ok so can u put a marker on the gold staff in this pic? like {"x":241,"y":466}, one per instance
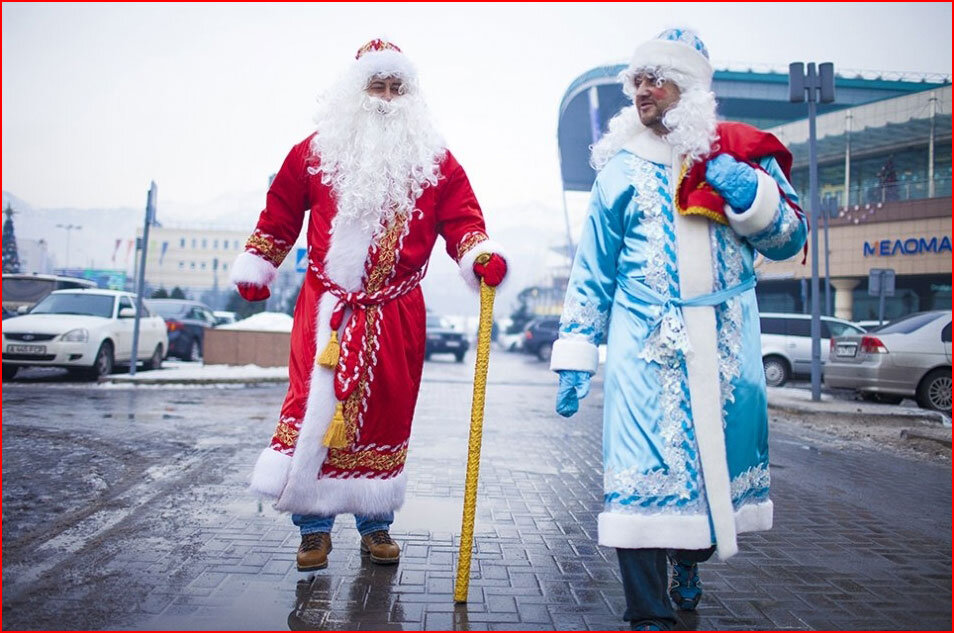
{"x":476,"y":432}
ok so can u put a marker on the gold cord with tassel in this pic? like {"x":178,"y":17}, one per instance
{"x":336,"y":436}
{"x":329,"y":356}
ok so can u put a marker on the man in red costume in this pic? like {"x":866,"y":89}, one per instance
{"x":380,"y":187}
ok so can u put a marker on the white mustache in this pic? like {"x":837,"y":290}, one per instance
{"x":380,"y":106}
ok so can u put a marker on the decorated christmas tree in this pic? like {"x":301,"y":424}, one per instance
{"x":11,"y":259}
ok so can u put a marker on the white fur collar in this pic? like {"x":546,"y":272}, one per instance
{"x":650,"y":146}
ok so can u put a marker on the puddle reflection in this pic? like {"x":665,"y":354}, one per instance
{"x":364,"y":600}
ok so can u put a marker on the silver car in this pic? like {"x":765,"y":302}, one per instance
{"x":910,"y":357}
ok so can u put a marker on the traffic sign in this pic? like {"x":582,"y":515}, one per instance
{"x":301,"y":260}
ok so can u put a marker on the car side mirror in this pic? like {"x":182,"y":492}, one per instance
{"x":23,"y":309}
{"x":127,"y":313}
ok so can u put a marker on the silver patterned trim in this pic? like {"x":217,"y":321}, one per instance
{"x":583,"y":319}
{"x":754,"y":479}
{"x":780,"y":232}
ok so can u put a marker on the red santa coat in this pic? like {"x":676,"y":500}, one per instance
{"x":382,"y":367}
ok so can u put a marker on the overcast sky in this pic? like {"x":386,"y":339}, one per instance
{"x":207,"y":99}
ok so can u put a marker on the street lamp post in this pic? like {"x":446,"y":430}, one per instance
{"x":829,"y":209}
{"x":814,"y":87}
{"x":68,"y":228}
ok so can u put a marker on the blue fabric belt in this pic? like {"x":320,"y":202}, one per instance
{"x":667,"y":333}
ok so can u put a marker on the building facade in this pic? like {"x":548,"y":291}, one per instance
{"x":884,"y":172}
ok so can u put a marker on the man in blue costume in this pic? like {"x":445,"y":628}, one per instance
{"x":680,"y":206}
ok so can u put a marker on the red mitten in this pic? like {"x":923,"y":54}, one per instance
{"x":492,"y":271}
{"x":252,"y":292}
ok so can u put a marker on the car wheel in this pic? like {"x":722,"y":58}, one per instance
{"x":881,"y":398}
{"x":103,"y":365}
{"x":9,"y":372}
{"x":155,"y":361}
{"x":545,"y":351}
{"x":776,"y":371}
{"x":459,"y":356}
{"x":195,"y":352}
{"x":934,"y":392}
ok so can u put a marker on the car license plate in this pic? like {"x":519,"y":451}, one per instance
{"x":846,"y":349}
{"x":453,"y":343}
{"x":26,"y":349}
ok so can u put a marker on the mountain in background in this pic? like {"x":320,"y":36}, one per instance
{"x":528,"y":233}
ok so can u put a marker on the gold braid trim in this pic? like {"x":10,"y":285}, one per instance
{"x":266,"y":246}
{"x":471,"y":240}
{"x":703,"y":211}
{"x":371,"y":460}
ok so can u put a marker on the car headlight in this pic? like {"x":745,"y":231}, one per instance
{"x":78,"y":335}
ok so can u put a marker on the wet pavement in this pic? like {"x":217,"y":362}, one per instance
{"x":124,"y":507}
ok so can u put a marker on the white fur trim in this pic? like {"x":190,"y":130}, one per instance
{"x":694,"y":258}
{"x":466,"y":263}
{"x":574,"y":354}
{"x":328,"y":496}
{"x":637,"y":531}
{"x":344,"y":263}
{"x":270,"y":473}
{"x":385,"y":63}
{"x":674,"y":531}
{"x":675,"y":55}
{"x":761,"y":214}
{"x":650,"y":146}
{"x":249,"y":268}
{"x":754,"y":517}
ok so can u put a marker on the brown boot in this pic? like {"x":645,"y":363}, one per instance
{"x":313,"y":551}
{"x":382,"y":548}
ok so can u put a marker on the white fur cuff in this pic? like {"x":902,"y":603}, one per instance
{"x":467,"y":261}
{"x":249,"y":268}
{"x":761,"y":214}
{"x":574,"y":354}
{"x":270,"y":473}
{"x":357,"y":495}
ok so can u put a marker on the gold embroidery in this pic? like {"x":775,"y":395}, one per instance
{"x":388,"y":249}
{"x":370,"y":460}
{"x":470,"y":240}
{"x":285,"y":434}
{"x":269,"y":249}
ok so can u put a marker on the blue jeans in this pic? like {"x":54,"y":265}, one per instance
{"x":311,"y":523}
{"x":645,"y":575}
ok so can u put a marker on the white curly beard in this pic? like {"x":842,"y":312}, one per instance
{"x":377,"y":156}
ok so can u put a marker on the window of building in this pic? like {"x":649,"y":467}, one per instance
{"x":235,"y":243}
{"x":205,"y":243}
{"x":225,"y":266}
{"x":181,"y":242}
{"x":192,"y":265}
{"x":215,"y":244}
{"x":203,"y":265}
{"x":181,"y":265}
{"x":193,"y":242}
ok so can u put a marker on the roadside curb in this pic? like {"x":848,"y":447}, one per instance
{"x":900,"y":416}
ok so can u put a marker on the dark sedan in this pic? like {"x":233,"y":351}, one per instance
{"x":442,"y":338}
{"x":540,"y":335}
{"x":186,"y":322}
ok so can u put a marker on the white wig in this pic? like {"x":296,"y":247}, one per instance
{"x":691,"y":122}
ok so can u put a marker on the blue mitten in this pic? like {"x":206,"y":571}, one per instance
{"x":736,"y":182}
{"x":574,"y":385}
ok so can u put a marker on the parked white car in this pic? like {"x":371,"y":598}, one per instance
{"x":787,"y":343}
{"x":87,"y":331}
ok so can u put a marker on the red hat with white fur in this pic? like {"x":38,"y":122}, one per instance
{"x":381,"y":58}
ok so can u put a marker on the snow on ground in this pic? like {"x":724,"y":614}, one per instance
{"x":173,"y":371}
{"x":262,"y":322}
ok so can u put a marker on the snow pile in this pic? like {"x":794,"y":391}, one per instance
{"x":262,"y":322}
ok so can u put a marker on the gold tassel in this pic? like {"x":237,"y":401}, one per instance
{"x":336,"y":436}
{"x":329,"y":356}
